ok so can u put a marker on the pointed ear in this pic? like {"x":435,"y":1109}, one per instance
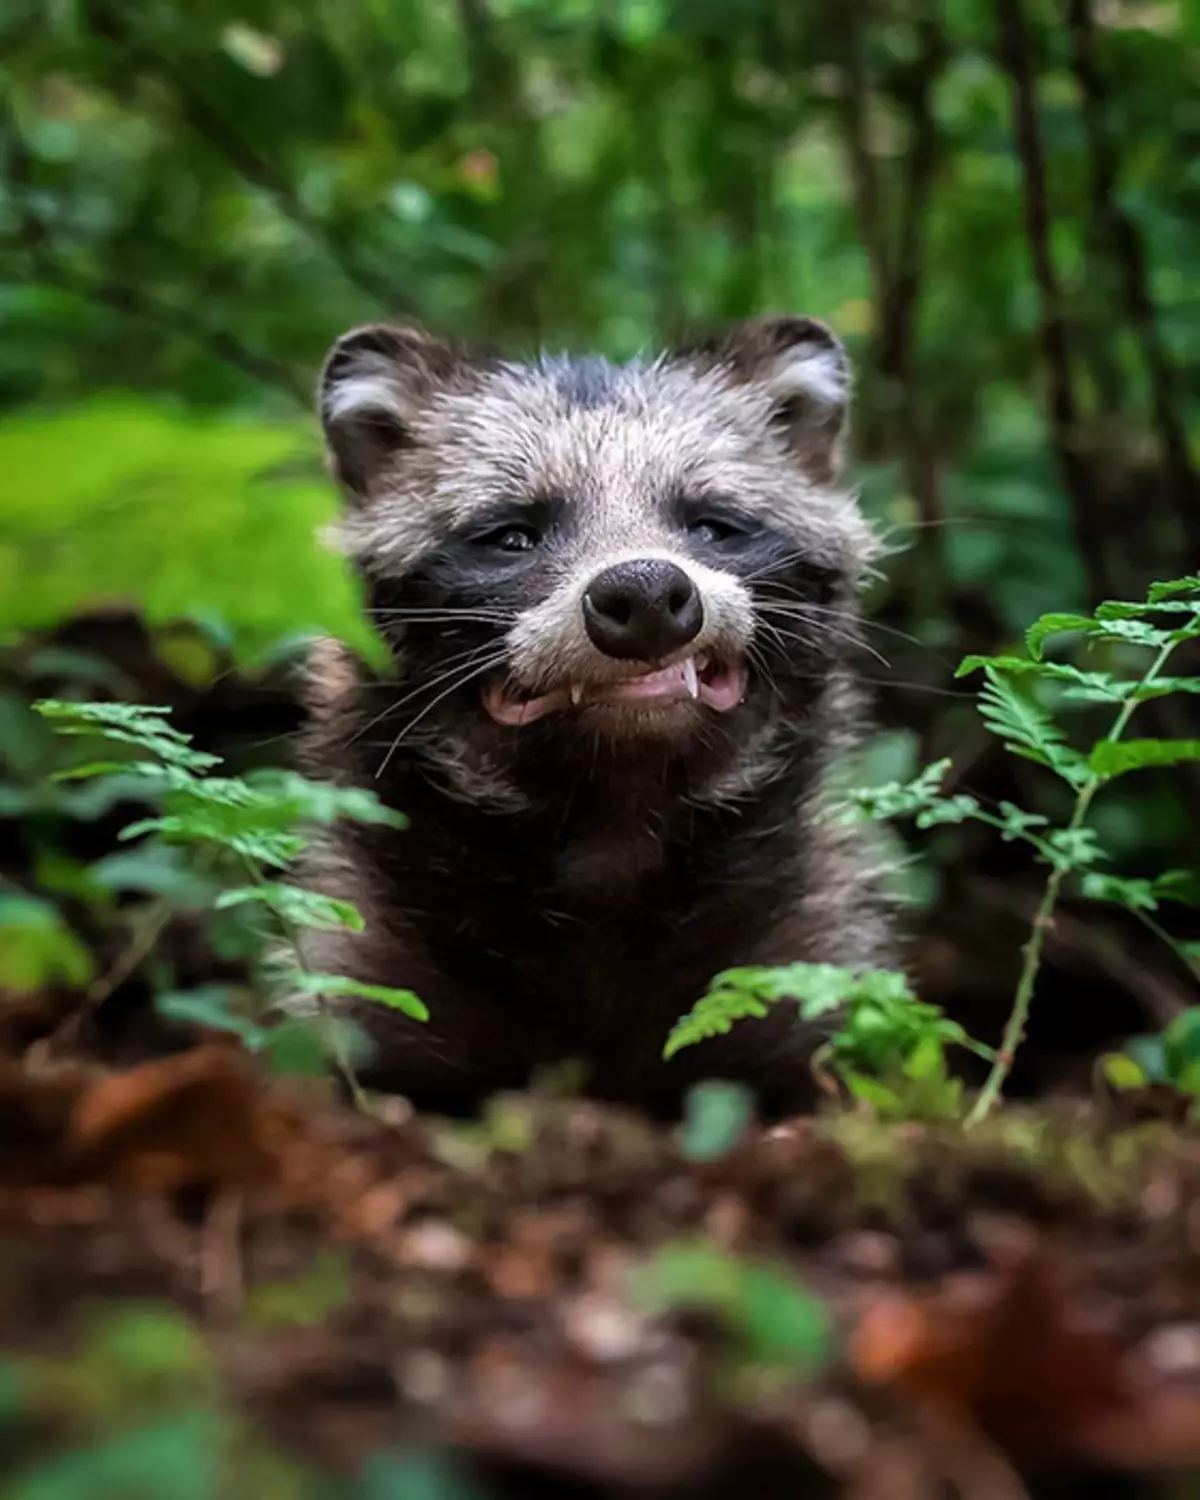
{"x":803,"y":368}
{"x":374,"y":383}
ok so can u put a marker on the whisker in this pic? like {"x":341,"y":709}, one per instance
{"x":469,"y":676}
{"x":481,"y":615}
{"x":449,"y":667}
{"x":818,"y":640}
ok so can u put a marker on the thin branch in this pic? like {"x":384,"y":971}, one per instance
{"x":1129,"y":253}
{"x":896,"y":260}
{"x":1074,"y":469}
{"x":851,"y":18}
{"x":897,"y":333}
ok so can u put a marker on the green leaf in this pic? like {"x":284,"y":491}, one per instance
{"x":716,"y":1115}
{"x":1181,"y":1042}
{"x":1133,"y":633}
{"x":955,"y":809}
{"x":1027,"y":731}
{"x":298,"y":799}
{"x":304,"y":1046}
{"x":210,"y":1006}
{"x":777,"y":1321}
{"x":884,"y":1100}
{"x":142,"y":725}
{"x":927,"y":1060}
{"x":1163,"y":687}
{"x":1090,"y":687}
{"x":38,"y":948}
{"x":1017,"y":823}
{"x":336,"y":985}
{"x":1074,"y":848}
{"x":1053,"y":624}
{"x":1181,"y":886}
{"x":294,"y":904}
{"x":1123,"y":609}
{"x":1123,"y":1072}
{"x":156,"y":870}
{"x":896,"y":799}
{"x":1112,"y":758}
{"x":174,"y":513}
{"x":175,"y":1459}
{"x":1135,"y":895}
{"x":1190,"y":584}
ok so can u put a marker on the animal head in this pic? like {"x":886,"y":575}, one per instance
{"x":655,"y":557}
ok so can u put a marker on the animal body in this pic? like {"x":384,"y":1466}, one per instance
{"x":621,"y":604}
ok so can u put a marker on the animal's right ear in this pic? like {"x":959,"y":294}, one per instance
{"x":374,"y":384}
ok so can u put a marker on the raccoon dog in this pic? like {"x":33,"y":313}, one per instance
{"x":621,"y":603}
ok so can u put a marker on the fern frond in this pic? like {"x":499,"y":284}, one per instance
{"x":145,"y":726}
{"x":738,"y":993}
{"x":1027,"y":730}
{"x":714,"y":1014}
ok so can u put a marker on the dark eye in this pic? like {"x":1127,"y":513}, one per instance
{"x":709,"y":530}
{"x":512,"y":538}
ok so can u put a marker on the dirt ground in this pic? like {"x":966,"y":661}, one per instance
{"x":1011,"y":1313}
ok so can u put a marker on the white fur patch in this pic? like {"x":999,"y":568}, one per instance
{"x":362,"y":393}
{"x":812,"y":370}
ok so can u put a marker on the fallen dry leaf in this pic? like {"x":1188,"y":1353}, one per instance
{"x":197,"y":1117}
{"x":1009,"y":1350}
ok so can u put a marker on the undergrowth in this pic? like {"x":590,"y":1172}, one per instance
{"x":224,"y":843}
{"x":230,"y":840}
{"x":889,"y":1048}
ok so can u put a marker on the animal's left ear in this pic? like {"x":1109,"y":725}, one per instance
{"x":803,"y":368}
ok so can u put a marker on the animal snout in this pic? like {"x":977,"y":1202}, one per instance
{"x":642,"y":610}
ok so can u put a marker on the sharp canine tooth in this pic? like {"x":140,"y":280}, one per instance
{"x":577,"y":693}
{"x":690,"y":677}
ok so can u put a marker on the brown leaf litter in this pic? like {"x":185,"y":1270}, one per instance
{"x":1021,"y":1303}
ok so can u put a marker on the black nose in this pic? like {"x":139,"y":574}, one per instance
{"x":642,"y":610}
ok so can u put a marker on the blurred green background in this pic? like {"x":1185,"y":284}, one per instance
{"x":995,"y":202}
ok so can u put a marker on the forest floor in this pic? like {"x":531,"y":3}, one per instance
{"x":904,"y":1312}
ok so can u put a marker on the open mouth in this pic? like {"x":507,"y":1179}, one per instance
{"x":701,"y":679}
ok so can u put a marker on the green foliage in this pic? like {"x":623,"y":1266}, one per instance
{"x":181,"y":517}
{"x":773,"y":1319}
{"x":1171,"y":1058}
{"x":1114,"y":758}
{"x":1026,"y":730}
{"x":1181,"y":886}
{"x":888,"y":1047}
{"x":342,"y":985}
{"x":134,"y":1410}
{"x":231,"y":831}
{"x":38,"y":948}
{"x":1029,"y":730}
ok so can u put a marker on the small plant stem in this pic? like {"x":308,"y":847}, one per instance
{"x":1014,"y":1030}
{"x":292,"y":937}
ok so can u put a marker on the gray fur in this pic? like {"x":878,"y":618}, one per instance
{"x":541,"y":857}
